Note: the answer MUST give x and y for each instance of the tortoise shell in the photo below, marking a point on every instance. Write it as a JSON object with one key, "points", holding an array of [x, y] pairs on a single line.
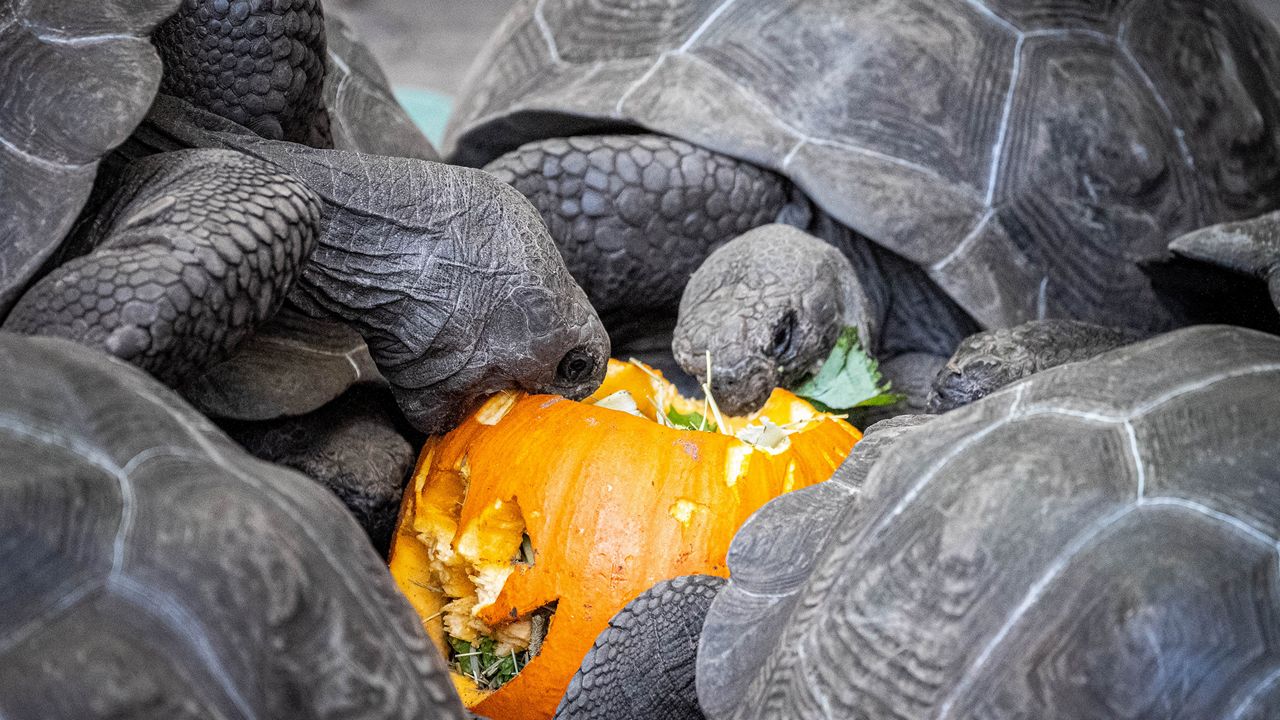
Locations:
{"points": [[363, 112], [149, 568], [1098, 541], [62, 112], [1027, 153]]}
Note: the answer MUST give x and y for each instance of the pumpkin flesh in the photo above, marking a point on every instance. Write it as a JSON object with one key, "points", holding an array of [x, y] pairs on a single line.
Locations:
{"points": [[611, 504]]}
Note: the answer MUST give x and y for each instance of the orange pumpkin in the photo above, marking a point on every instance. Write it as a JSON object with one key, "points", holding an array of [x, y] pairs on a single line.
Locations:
{"points": [[611, 503]]}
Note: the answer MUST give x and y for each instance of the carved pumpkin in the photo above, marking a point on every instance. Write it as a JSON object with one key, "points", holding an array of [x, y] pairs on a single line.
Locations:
{"points": [[537, 502]]}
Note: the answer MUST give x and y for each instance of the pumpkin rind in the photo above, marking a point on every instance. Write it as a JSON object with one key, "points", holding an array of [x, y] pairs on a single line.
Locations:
{"points": [[612, 503]]}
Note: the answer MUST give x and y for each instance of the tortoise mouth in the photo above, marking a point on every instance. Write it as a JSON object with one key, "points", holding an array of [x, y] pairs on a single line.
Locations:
{"points": [[446, 411], [950, 390], [741, 398], [743, 388]]}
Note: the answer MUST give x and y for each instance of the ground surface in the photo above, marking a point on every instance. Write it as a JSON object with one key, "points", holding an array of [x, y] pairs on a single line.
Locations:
{"points": [[424, 44]]}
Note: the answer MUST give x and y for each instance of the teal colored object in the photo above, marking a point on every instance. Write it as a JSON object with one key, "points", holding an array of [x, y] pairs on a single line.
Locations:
{"points": [[429, 110]]}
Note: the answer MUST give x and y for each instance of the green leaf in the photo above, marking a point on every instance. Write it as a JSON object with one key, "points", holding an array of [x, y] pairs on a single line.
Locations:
{"points": [[459, 646], [479, 661], [693, 420], [848, 379]]}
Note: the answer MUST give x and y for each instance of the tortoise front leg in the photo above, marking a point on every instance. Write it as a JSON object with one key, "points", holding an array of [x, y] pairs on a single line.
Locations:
{"points": [[642, 665], [260, 64], [635, 215], [192, 251], [1249, 246]]}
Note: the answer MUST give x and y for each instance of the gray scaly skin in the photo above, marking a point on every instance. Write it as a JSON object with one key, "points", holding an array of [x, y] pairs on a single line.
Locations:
{"points": [[259, 64], [642, 665], [437, 372], [355, 446], [471, 296], [993, 359], [634, 215], [447, 274], [1251, 247], [177, 259], [937, 145], [77, 78], [755, 317], [191, 252]]}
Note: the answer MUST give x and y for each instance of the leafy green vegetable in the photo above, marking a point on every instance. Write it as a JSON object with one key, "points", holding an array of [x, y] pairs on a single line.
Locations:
{"points": [[694, 420], [479, 662], [848, 379]]}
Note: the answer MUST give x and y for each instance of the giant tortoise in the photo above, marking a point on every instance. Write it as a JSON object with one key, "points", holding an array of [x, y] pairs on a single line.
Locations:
{"points": [[1246, 250], [1098, 541], [199, 227], [149, 568], [1008, 160]]}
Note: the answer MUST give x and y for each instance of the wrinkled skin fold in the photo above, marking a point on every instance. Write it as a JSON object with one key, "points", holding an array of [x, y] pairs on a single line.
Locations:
{"points": [[448, 274]]}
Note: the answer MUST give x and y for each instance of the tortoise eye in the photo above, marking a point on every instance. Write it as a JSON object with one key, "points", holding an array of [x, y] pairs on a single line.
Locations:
{"points": [[783, 335]]}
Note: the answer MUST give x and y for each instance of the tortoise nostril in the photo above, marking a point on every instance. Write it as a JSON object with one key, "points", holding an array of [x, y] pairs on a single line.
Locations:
{"points": [[783, 335], [576, 366]]}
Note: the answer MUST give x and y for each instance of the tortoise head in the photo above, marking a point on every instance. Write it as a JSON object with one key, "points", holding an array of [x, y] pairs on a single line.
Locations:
{"points": [[447, 273], [513, 318], [768, 308]]}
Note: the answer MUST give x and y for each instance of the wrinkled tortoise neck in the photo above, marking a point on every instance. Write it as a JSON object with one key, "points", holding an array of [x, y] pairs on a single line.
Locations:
{"points": [[415, 256], [259, 64], [907, 310]]}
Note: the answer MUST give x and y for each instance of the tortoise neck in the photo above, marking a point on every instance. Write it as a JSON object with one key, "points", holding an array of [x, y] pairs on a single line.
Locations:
{"points": [[911, 312]]}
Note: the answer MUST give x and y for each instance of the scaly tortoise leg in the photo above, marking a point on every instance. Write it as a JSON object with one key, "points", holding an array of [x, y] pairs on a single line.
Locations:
{"points": [[642, 665], [635, 215], [192, 251], [260, 64]]}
